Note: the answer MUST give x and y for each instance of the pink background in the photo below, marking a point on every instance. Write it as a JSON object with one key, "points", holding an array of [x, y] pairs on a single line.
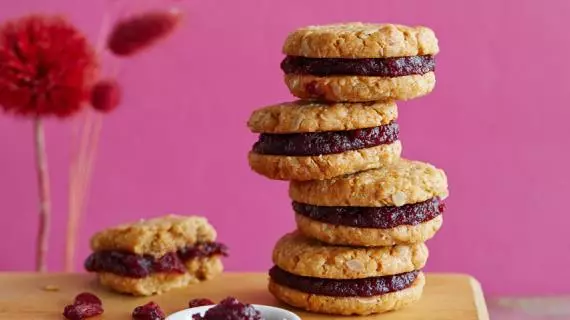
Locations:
{"points": [[497, 123]]}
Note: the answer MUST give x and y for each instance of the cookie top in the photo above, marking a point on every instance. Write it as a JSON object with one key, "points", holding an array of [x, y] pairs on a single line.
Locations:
{"points": [[402, 182], [307, 116], [303, 256], [156, 237], [361, 40]]}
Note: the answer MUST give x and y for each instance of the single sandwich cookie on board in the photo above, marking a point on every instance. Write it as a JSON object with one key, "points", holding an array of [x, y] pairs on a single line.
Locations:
{"points": [[360, 62], [321, 278], [153, 256], [401, 203], [305, 140]]}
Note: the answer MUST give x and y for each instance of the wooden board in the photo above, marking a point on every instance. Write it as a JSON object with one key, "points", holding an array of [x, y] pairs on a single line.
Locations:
{"points": [[22, 296]]}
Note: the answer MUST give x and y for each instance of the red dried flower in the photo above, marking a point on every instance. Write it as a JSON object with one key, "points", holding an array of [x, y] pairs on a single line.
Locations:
{"points": [[138, 32], [106, 95], [46, 67]]}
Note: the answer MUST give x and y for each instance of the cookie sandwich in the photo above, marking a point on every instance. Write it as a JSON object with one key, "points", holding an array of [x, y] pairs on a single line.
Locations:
{"points": [[401, 203], [346, 280], [305, 140], [360, 62], [153, 256]]}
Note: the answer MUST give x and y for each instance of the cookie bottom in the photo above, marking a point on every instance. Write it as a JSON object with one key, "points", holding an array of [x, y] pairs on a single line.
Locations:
{"points": [[323, 167], [343, 235], [349, 305], [198, 270], [359, 88]]}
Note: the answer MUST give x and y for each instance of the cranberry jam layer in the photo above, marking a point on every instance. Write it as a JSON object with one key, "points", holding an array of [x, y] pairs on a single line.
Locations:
{"points": [[366, 287], [132, 265], [375, 67], [373, 217], [330, 142]]}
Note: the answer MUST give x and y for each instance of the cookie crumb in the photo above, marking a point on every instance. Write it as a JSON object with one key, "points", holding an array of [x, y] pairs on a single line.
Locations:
{"points": [[50, 288]]}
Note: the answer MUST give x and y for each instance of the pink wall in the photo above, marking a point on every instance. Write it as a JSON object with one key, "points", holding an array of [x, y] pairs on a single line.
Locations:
{"points": [[497, 122]]}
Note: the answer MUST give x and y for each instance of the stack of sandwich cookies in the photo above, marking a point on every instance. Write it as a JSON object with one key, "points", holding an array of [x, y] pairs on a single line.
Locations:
{"points": [[346, 280], [153, 256], [399, 203], [360, 62], [363, 213], [312, 141]]}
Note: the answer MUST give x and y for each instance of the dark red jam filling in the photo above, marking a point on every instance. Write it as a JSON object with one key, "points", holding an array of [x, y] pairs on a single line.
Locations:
{"points": [[366, 287], [374, 217], [132, 265], [230, 309], [376, 67], [330, 142]]}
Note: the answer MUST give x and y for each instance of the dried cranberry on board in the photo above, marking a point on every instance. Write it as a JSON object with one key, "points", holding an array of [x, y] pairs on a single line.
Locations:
{"points": [[82, 311], [87, 298], [85, 305], [150, 311]]}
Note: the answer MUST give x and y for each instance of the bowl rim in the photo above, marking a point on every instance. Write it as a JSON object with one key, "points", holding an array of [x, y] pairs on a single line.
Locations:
{"points": [[191, 311]]}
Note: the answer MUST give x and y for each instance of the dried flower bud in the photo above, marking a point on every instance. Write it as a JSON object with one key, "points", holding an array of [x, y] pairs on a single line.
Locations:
{"points": [[106, 95], [139, 32]]}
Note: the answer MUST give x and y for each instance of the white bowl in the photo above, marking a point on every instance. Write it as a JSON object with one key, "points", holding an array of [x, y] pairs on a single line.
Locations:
{"points": [[267, 313]]}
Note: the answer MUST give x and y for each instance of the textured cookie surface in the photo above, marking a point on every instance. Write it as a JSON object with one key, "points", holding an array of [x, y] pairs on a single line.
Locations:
{"points": [[359, 88], [198, 270], [157, 236], [302, 256], [349, 305], [401, 182], [361, 40], [306, 116], [304, 168], [368, 237]]}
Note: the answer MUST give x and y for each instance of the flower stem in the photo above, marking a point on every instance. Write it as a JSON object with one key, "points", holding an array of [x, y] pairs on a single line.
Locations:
{"points": [[44, 194]]}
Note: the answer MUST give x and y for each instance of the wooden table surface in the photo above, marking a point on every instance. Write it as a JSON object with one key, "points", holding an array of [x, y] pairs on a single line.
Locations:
{"points": [[23, 297]]}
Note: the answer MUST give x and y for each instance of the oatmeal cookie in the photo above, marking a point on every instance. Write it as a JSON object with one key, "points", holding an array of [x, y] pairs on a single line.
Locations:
{"points": [[304, 168], [306, 116], [303, 256], [399, 183], [155, 237], [361, 40], [349, 305]]}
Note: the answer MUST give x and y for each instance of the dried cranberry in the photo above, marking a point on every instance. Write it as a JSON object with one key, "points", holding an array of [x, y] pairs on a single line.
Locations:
{"points": [[230, 309], [82, 311], [87, 298], [200, 302], [150, 311]]}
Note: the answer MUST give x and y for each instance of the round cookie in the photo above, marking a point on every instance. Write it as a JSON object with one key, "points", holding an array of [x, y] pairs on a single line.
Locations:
{"points": [[296, 120], [368, 237], [306, 168], [396, 184], [399, 203], [303, 256], [307, 116], [349, 305], [361, 40], [344, 88], [360, 62]]}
